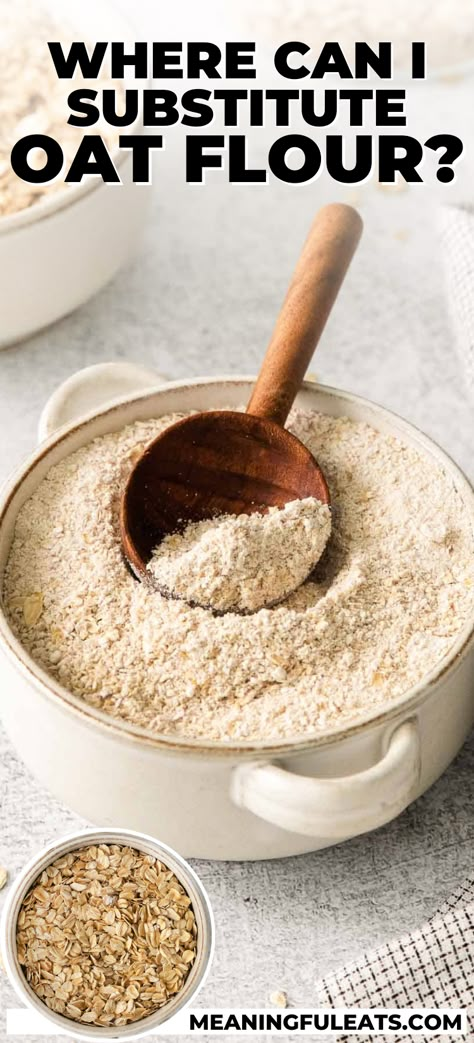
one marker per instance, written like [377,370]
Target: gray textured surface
[199,299]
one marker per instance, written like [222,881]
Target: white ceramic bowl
[191,884]
[238,800]
[59,252]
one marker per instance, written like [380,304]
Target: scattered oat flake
[278,999]
[32,609]
[3,877]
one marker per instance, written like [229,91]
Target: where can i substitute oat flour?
[391,593]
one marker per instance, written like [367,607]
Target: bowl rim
[67,197]
[149,845]
[405,704]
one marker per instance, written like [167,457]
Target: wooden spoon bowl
[233,463]
[179,476]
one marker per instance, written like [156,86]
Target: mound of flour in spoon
[240,563]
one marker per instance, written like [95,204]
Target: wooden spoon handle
[316,281]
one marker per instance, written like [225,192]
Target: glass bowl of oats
[108,934]
[59,242]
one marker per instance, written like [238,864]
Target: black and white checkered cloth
[457,236]
[431,967]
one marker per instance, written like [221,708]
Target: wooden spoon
[225,462]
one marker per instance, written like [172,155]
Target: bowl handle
[92,389]
[334,808]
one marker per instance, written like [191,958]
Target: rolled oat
[278,999]
[106,935]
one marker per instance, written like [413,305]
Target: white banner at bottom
[322,1021]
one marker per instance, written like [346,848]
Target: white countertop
[199,299]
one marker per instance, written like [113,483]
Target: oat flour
[383,606]
[242,563]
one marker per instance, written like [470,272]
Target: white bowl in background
[60,251]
